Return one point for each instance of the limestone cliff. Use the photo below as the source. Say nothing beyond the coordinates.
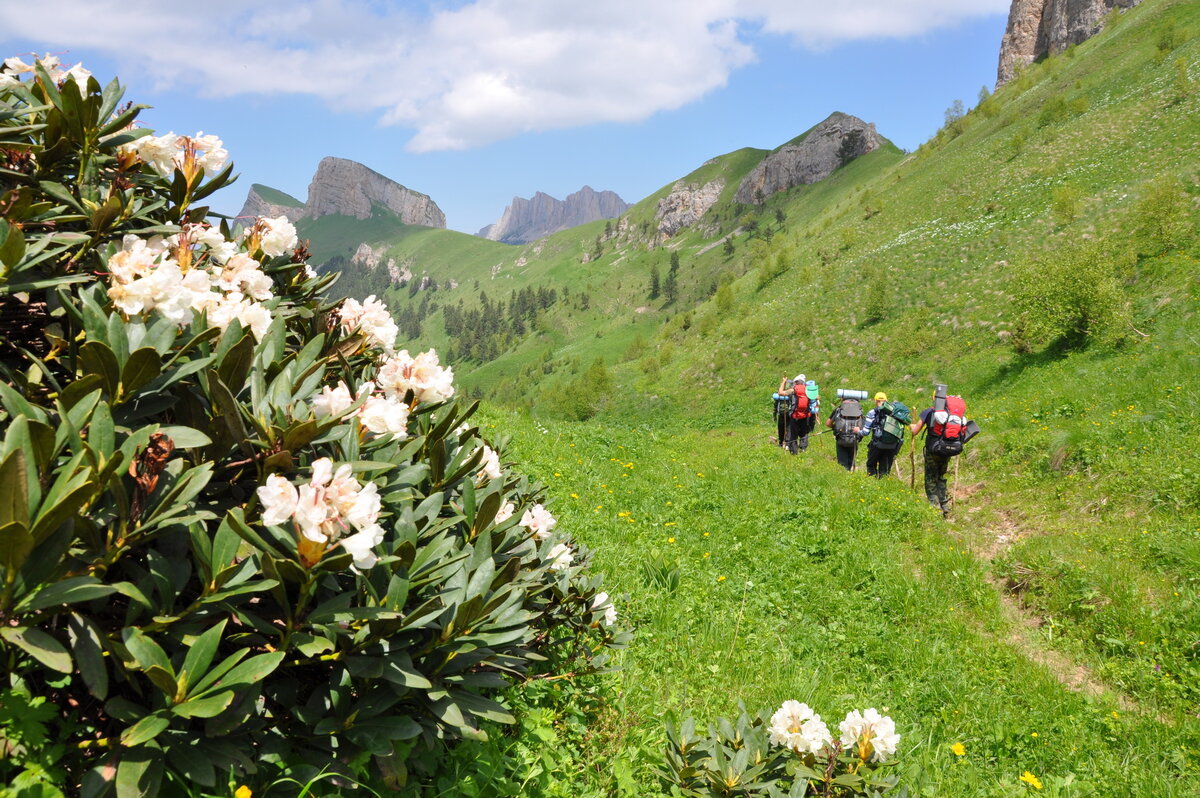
(346, 188)
(527, 220)
(685, 205)
(1038, 28)
(270, 203)
(812, 157)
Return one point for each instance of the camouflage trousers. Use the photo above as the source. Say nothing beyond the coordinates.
(935, 481)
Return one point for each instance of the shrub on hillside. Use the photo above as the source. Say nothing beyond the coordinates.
(240, 536)
(1162, 217)
(1072, 296)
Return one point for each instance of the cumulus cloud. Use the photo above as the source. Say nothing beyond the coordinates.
(470, 73)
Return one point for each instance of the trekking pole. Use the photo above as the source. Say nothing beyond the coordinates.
(954, 490)
(912, 462)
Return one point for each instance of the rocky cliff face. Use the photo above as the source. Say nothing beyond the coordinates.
(1037, 28)
(527, 220)
(685, 205)
(256, 205)
(347, 188)
(837, 140)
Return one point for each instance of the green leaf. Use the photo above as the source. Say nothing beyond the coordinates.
(14, 505)
(208, 707)
(145, 652)
(39, 645)
(249, 672)
(200, 655)
(139, 773)
(89, 654)
(144, 730)
(143, 366)
(12, 244)
(97, 358)
(185, 437)
(68, 591)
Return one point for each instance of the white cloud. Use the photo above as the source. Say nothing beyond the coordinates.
(471, 74)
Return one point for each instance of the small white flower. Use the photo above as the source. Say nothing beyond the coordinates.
(214, 153)
(278, 499)
(505, 512)
(17, 66)
(332, 401)
(489, 467)
(873, 734)
(560, 557)
(8, 81)
(359, 546)
(382, 415)
(538, 520)
(280, 236)
(78, 74)
(372, 318)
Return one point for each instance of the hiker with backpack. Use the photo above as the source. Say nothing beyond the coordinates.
(846, 421)
(948, 429)
(780, 401)
(886, 426)
(799, 413)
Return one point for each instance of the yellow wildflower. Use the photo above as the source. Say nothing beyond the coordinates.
(959, 749)
(242, 792)
(1031, 780)
(720, 579)
(670, 540)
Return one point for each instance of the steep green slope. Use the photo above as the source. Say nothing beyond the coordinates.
(275, 196)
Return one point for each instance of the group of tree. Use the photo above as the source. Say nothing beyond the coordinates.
(481, 333)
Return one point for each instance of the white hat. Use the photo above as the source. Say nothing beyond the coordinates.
(799, 378)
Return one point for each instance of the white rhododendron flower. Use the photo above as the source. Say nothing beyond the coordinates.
(279, 236)
(242, 274)
(423, 375)
(560, 557)
(16, 66)
(797, 727)
(164, 154)
(538, 520)
(602, 602)
(210, 153)
(252, 315)
(78, 74)
(382, 415)
(278, 499)
(505, 512)
(220, 249)
(489, 467)
(332, 401)
(53, 67)
(873, 734)
(372, 318)
(8, 81)
(331, 508)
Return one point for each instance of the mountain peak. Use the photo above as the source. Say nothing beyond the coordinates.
(526, 220)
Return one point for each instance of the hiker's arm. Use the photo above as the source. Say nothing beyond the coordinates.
(917, 426)
(782, 385)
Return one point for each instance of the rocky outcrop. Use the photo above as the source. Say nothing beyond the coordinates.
(839, 139)
(371, 258)
(257, 205)
(527, 220)
(1038, 28)
(347, 188)
(685, 205)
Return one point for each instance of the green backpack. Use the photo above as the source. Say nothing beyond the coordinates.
(896, 416)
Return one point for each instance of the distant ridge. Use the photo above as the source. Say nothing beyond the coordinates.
(526, 220)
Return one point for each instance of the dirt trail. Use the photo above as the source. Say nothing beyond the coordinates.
(994, 529)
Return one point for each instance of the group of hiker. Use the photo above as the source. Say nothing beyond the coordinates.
(797, 408)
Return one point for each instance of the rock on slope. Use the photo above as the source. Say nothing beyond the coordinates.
(347, 188)
(1037, 28)
(838, 139)
(527, 220)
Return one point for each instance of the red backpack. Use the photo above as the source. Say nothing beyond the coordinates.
(800, 398)
(947, 427)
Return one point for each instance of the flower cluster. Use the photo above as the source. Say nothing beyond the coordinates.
(332, 508)
(489, 467)
(275, 236)
(797, 727)
(538, 520)
(159, 274)
(189, 154)
(868, 734)
(423, 375)
(15, 66)
(371, 318)
(602, 603)
(380, 413)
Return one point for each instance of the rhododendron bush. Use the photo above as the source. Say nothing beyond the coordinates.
(238, 529)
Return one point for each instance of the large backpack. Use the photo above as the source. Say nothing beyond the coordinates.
(891, 426)
(947, 428)
(849, 418)
(799, 405)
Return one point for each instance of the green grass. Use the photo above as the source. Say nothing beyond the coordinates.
(753, 576)
(275, 196)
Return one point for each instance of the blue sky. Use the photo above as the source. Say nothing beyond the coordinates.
(477, 101)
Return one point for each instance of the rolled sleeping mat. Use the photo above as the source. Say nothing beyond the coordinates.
(846, 393)
(970, 430)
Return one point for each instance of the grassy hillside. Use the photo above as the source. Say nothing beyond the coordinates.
(275, 196)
